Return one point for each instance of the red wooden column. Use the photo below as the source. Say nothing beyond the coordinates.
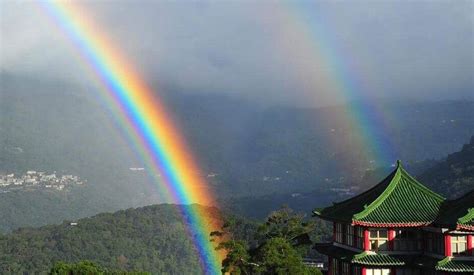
(366, 240)
(391, 237)
(447, 245)
(364, 271)
(469, 245)
(393, 271)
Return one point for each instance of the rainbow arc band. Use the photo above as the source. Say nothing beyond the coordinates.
(147, 123)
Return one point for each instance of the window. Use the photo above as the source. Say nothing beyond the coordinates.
(407, 240)
(359, 237)
(378, 239)
(434, 243)
(339, 232)
(346, 268)
(334, 267)
(378, 272)
(350, 235)
(407, 271)
(459, 245)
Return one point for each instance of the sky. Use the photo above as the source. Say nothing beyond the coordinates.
(304, 53)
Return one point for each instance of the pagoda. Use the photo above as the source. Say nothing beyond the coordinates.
(400, 227)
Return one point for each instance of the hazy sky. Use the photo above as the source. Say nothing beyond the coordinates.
(307, 52)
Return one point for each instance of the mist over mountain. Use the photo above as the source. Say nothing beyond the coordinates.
(66, 128)
(242, 148)
(451, 176)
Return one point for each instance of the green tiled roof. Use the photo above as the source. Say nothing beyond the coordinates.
(372, 259)
(458, 213)
(363, 258)
(450, 265)
(398, 200)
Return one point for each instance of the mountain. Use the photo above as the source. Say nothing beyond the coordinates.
(243, 149)
(454, 176)
(151, 239)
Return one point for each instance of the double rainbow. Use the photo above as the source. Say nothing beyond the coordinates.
(147, 122)
(309, 45)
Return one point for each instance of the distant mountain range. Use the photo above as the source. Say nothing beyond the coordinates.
(452, 177)
(243, 149)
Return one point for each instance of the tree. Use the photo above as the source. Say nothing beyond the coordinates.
(278, 256)
(287, 224)
(87, 268)
(80, 268)
(277, 245)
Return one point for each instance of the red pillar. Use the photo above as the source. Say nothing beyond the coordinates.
(391, 237)
(364, 271)
(469, 245)
(334, 231)
(447, 245)
(393, 271)
(366, 240)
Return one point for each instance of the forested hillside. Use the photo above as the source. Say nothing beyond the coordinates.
(151, 239)
(454, 176)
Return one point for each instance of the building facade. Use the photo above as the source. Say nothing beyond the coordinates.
(400, 227)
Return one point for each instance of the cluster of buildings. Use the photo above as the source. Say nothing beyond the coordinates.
(37, 180)
(400, 227)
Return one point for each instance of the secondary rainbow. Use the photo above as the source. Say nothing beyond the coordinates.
(306, 33)
(147, 122)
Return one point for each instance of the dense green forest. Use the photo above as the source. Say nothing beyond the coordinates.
(151, 239)
(454, 176)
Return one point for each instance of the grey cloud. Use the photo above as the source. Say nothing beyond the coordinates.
(420, 49)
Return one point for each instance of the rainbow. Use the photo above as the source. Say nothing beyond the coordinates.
(147, 122)
(317, 58)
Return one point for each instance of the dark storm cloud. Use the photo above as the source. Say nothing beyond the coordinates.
(416, 49)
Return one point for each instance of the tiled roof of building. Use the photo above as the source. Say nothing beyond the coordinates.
(451, 265)
(398, 200)
(373, 259)
(363, 258)
(458, 213)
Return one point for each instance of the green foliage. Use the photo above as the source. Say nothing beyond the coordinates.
(278, 256)
(87, 268)
(81, 268)
(276, 246)
(238, 258)
(288, 225)
(152, 239)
